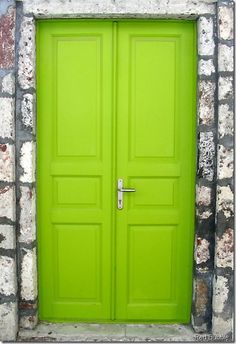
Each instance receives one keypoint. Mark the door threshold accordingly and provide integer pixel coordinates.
(87, 332)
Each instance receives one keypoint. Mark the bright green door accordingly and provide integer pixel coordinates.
(116, 100)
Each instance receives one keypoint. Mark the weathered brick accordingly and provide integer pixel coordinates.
(7, 237)
(206, 43)
(224, 252)
(27, 215)
(201, 296)
(202, 253)
(7, 276)
(27, 110)
(225, 199)
(226, 121)
(7, 109)
(7, 162)
(226, 21)
(28, 275)
(221, 327)
(27, 162)
(206, 102)
(28, 322)
(225, 162)
(203, 195)
(220, 294)
(7, 43)
(7, 202)
(8, 83)
(206, 67)
(226, 58)
(206, 155)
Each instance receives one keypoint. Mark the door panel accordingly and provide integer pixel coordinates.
(74, 169)
(115, 100)
(155, 155)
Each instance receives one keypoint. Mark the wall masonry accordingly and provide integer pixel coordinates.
(213, 254)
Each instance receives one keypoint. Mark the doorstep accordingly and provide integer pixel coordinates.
(81, 332)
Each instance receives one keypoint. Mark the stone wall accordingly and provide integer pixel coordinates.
(213, 257)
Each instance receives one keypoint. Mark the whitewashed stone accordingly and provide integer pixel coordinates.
(203, 195)
(202, 253)
(225, 162)
(226, 58)
(7, 109)
(28, 322)
(29, 275)
(206, 43)
(26, 68)
(27, 162)
(220, 294)
(224, 253)
(9, 321)
(221, 327)
(7, 276)
(206, 102)
(7, 202)
(8, 83)
(206, 67)
(77, 8)
(7, 237)
(27, 215)
(225, 200)
(225, 87)
(27, 110)
(206, 155)
(7, 162)
(226, 121)
(226, 19)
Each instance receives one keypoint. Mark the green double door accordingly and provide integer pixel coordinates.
(116, 100)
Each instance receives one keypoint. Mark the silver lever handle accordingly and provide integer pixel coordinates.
(120, 191)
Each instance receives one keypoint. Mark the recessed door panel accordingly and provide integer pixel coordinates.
(116, 100)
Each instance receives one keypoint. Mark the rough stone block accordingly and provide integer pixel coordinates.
(26, 70)
(7, 276)
(225, 162)
(28, 322)
(225, 58)
(225, 200)
(206, 67)
(27, 162)
(203, 195)
(28, 275)
(224, 253)
(222, 327)
(226, 21)
(7, 237)
(226, 121)
(7, 162)
(9, 321)
(7, 109)
(7, 202)
(8, 83)
(201, 296)
(206, 43)
(7, 43)
(28, 110)
(220, 294)
(206, 102)
(206, 155)
(27, 215)
(202, 253)
(225, 88)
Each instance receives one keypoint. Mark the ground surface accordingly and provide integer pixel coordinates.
(108, 333)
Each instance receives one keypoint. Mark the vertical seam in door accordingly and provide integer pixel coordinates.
(113, 166)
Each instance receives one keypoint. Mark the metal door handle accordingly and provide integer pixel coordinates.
(120, 191)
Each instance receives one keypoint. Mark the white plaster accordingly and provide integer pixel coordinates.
(9, 321)
(7, 162)
(224, 251)
(7, 276)
(220, 293)
(29, 275)
(206, 67)
(8, 83)
(203, 195)
(206, 43)
(221, 327)
(26, 68)
(7, 109)
(7, 237)
(7, 202)
(225, 200)
(27, 215)
(76, 8)
(226, 58)
(27, 162)
(226, 27)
